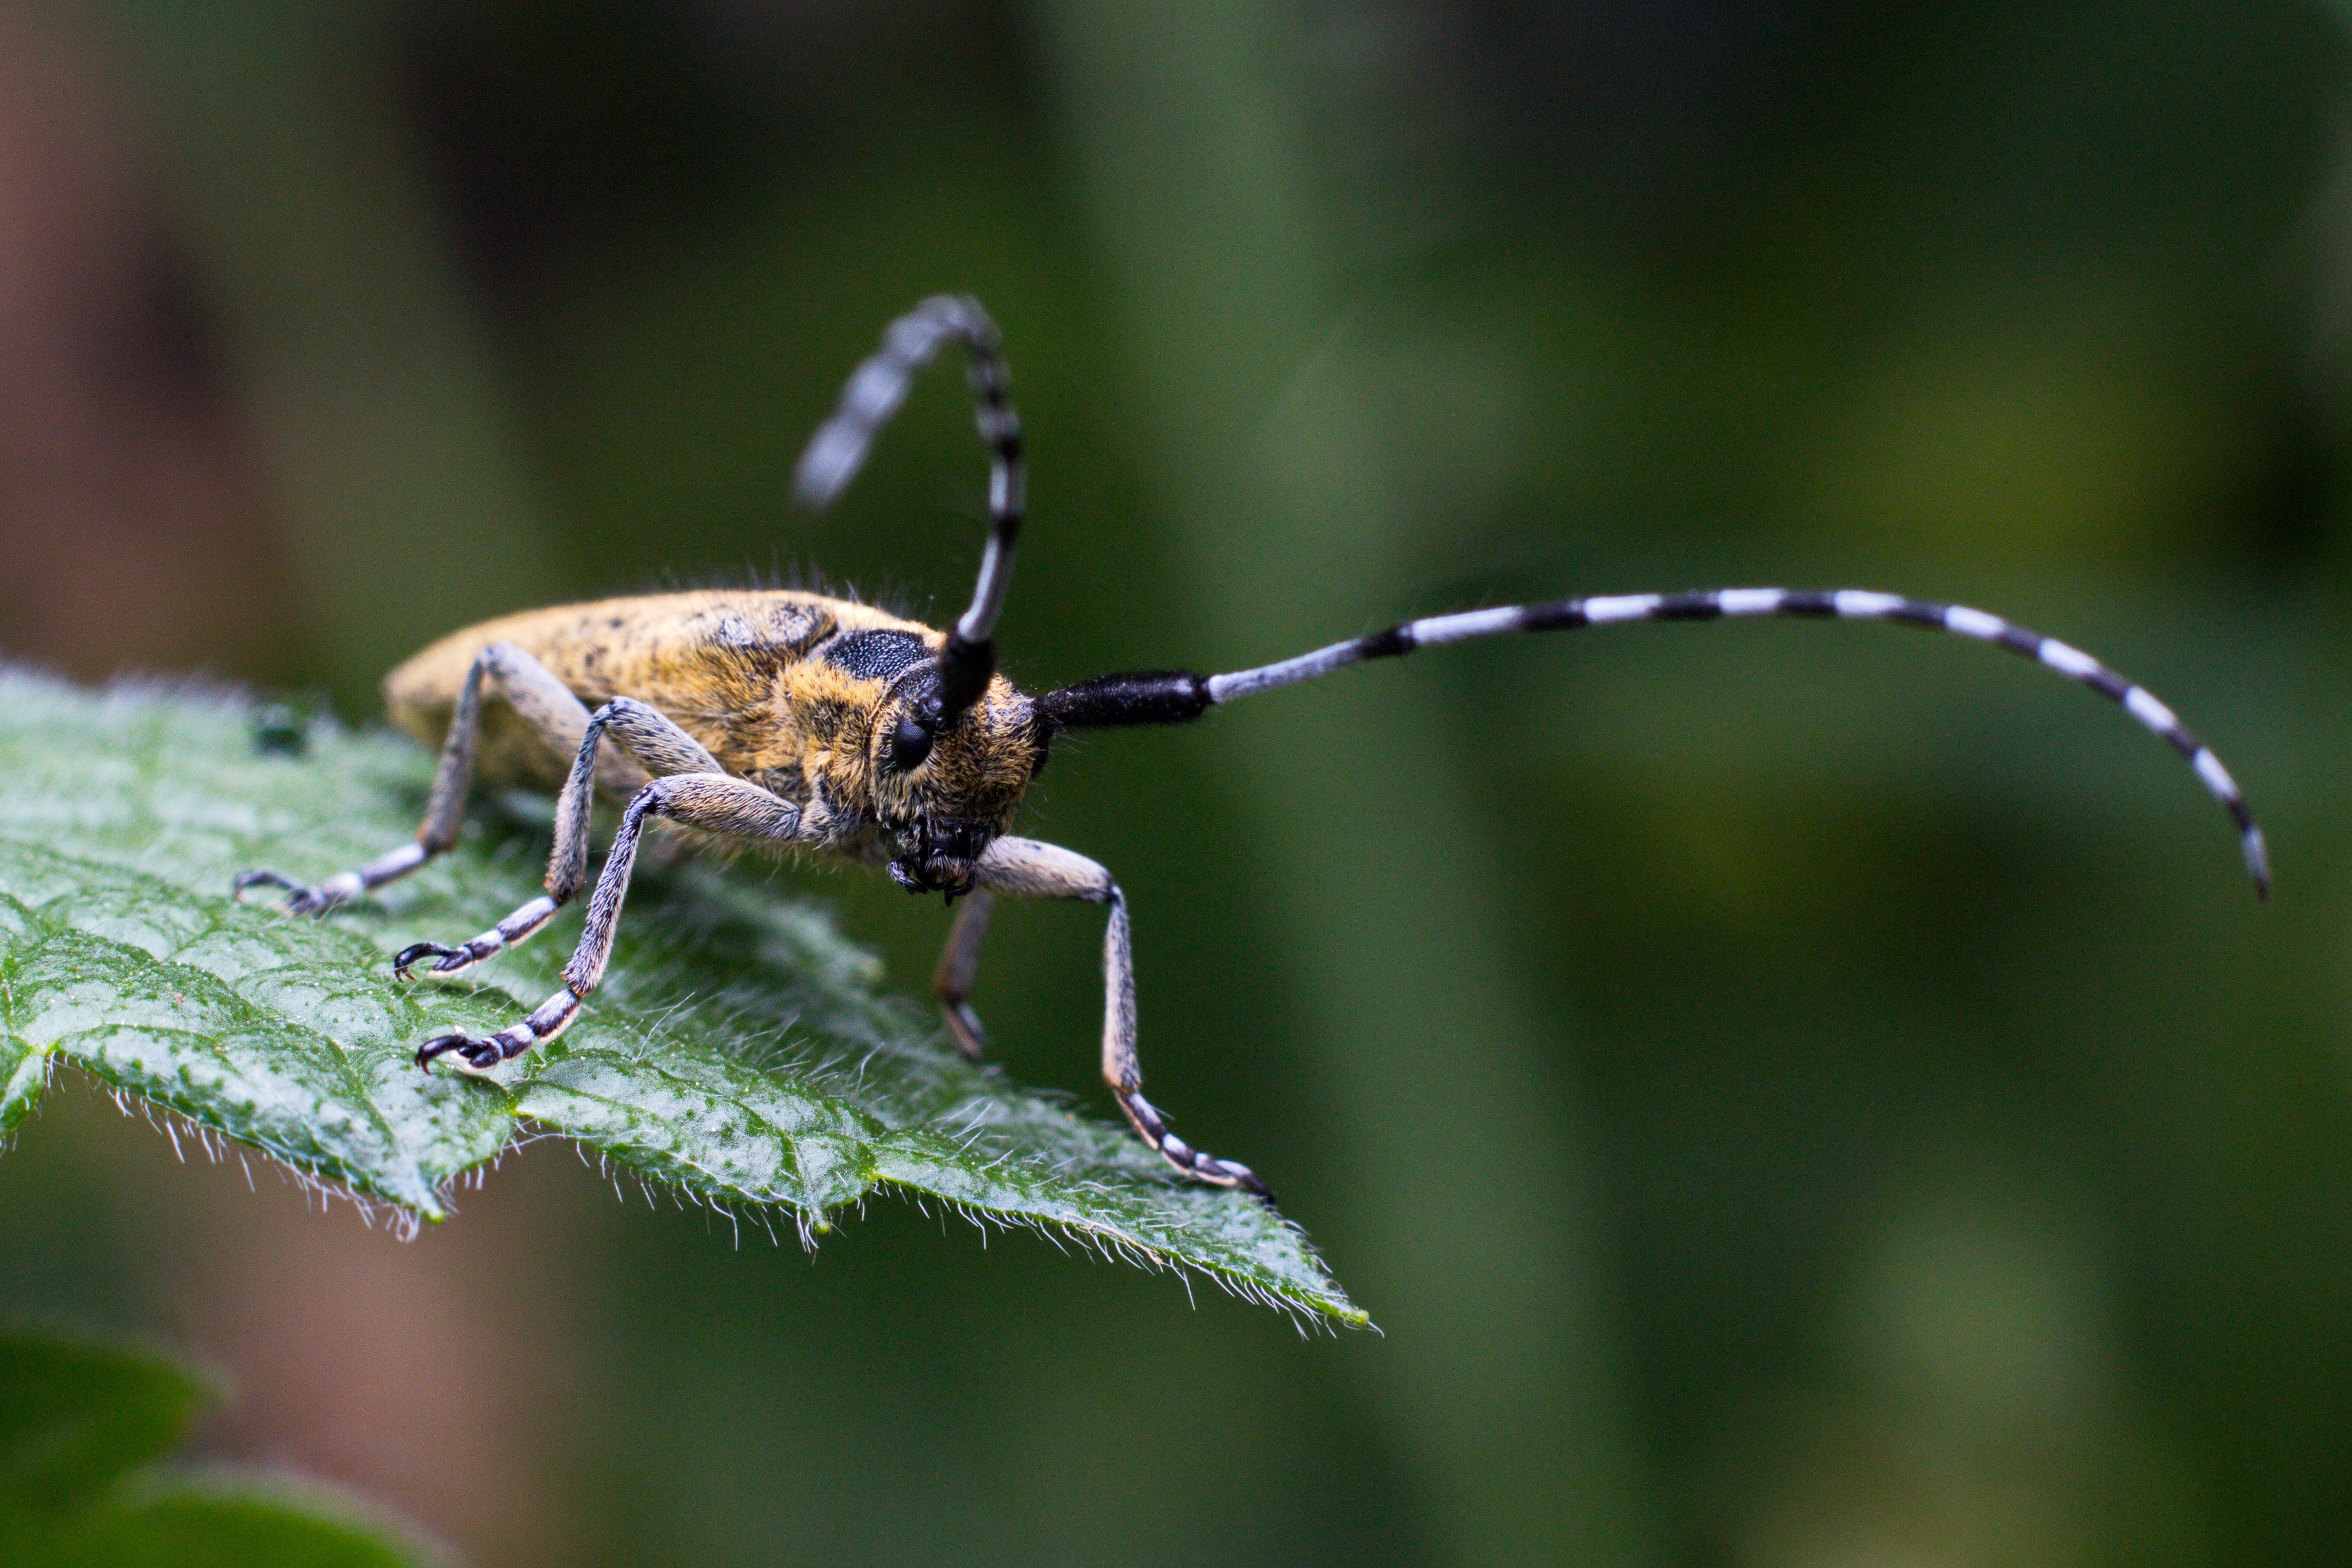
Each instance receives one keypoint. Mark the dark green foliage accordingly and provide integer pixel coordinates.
(81, 1426)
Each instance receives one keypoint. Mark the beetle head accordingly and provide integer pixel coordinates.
(946, 786)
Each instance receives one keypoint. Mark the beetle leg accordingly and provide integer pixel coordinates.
(534, 694)
(714, 802)
(645, 734)
(1027, 869)
(448, 960)
(959, 964)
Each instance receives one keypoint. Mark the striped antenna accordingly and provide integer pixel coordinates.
(875, 393)
(1163, 697)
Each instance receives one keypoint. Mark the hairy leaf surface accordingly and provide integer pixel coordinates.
(739, 1049)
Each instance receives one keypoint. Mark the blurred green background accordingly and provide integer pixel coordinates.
(1792, 1094)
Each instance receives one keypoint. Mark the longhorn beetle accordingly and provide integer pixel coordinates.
(790, 719)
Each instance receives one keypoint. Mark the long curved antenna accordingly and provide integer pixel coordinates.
(875, 393)
(1171, 697)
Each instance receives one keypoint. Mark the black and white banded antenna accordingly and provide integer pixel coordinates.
(1158, 697)
(876, 390)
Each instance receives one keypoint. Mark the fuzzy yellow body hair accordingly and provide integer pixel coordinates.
(744, 671)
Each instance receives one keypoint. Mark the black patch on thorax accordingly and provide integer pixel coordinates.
(875, 655)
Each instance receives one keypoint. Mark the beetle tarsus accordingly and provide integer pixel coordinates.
(300, 898)
(970, 1035)
(452, 960)
(476, 1056)
(1198, 1163)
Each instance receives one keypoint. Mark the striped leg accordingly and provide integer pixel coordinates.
(1024, 868)
(646, 735)
(714, 802)
(1173, 697)
(959, 965)
(535, 695)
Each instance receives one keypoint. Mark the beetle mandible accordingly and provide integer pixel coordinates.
(795, 719)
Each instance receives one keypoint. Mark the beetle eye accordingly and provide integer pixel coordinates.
(909, 744)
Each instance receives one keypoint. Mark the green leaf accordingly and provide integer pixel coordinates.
(77, 1423)
(74, 1417)
(739, 1049)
